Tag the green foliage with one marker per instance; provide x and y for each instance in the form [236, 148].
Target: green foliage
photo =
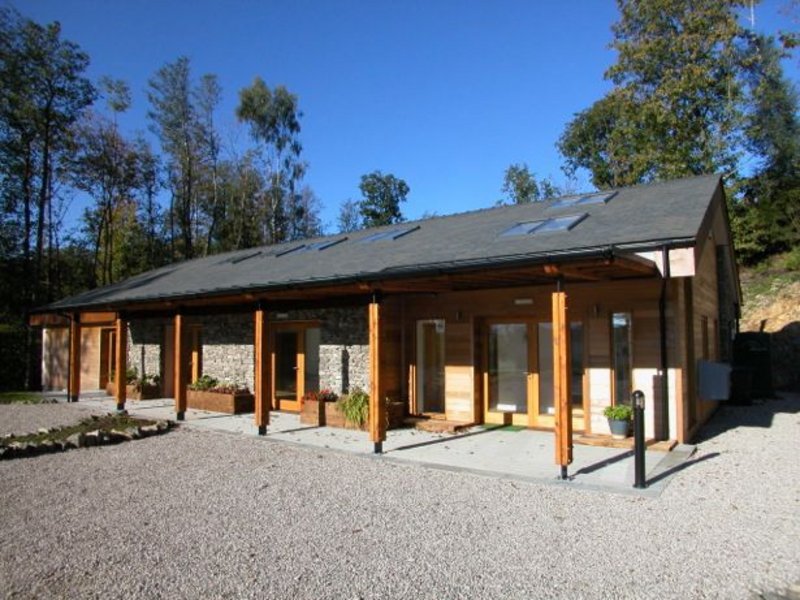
[793, 260]
[382, 197]
[107, 423]
[204, 383]
[676, 102]
[618, 412]
[355, 407]
[20, 398]
[521, 186]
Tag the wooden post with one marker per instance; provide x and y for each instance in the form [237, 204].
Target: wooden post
[377, 397]
[179, 368]
[74, 384]
[121, 361]
[561, 380]
[261, 377]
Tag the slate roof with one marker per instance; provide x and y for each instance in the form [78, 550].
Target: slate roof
[639, 217]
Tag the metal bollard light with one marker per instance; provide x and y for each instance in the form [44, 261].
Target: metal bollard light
[638, 439]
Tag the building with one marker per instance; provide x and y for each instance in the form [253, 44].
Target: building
[539, 315]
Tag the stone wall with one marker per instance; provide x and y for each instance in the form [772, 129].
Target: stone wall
[145, 337]
[228, 347]
[344, 345]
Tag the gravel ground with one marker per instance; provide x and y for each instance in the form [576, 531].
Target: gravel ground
[27, 418]
[195, 514]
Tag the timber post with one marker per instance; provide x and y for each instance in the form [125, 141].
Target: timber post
[377, 400]
[179, 367]
[261, 377]
[121, 361]
[74, 358]
[562, 380]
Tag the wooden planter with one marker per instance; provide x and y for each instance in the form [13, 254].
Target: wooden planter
[319, 413]
[148, 392]
[240, 402]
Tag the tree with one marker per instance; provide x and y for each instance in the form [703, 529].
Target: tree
[382, 197]
[43, 94]
[349, 216]
[274, 120]
[174, 120]
[675, 109]
[767, 219]
[521, 186]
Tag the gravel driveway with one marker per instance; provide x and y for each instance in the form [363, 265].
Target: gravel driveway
[199, 515]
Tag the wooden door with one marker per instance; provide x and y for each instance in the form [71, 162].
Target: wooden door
[288, 368]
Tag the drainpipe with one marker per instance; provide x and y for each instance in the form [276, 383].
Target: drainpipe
[662, 322]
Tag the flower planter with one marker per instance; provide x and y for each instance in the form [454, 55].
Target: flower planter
[313, 412]
[231, 403]
[147, 392]
[335, 418]
[619, 429]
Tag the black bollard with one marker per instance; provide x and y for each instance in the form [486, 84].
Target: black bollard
[638, 439]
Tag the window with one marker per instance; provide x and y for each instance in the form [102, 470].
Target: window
[622, 356]
[565, 223]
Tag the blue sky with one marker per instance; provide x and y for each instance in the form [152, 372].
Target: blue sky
[444, 94]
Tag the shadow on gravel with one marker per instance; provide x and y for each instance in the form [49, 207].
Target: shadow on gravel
[678, 468]
[760, 414]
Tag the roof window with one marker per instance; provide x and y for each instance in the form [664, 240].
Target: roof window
[601, 198]
[565, 223]
[389, 234]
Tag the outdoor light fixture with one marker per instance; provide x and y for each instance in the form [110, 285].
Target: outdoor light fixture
[523, 301]
[282, 316]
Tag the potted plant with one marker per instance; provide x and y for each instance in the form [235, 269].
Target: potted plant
[209, 394]
[315, 406]
[619, 420]
[354, 407]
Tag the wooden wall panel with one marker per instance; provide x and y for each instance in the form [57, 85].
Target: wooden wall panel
[459, 386]
[90, 358]
[55, 358]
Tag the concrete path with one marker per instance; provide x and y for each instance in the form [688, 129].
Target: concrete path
[496, 452]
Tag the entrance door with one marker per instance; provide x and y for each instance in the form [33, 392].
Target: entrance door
[430, 367]
[288, 383]
[519, 374]
[509, 373]
[295, 364]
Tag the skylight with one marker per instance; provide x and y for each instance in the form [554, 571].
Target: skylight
[321, 245]
[242, 257]
[564, 223]
[601, 198]
[389, 234]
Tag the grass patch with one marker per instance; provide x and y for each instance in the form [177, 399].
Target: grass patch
[21, 398]
[105, 423]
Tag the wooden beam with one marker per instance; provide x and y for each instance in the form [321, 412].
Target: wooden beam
[48, 320]
[561, 381]
[98, 318]
[179, 368]
[377, 396]
[74, 358]
[263, 361]
[121, 360]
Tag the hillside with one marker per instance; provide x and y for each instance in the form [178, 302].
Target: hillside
[772, 297]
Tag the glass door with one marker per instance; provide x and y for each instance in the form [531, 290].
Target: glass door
[508, 373]
[430, 367]
[295, 365]
[544, 414]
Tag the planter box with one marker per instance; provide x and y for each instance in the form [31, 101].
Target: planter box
[319, 413]
[242, 402]
[148, 392]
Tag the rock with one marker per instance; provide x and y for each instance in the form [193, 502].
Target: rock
[47, 446]
[92, 438]
[162, 426]
[74, 441]
[115, 436]
[43, 430]
[149, 430]
[4, 453]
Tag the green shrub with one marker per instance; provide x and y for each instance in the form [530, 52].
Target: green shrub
[205, 383]
[793, 260]
[618, 412]
[355, 407]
